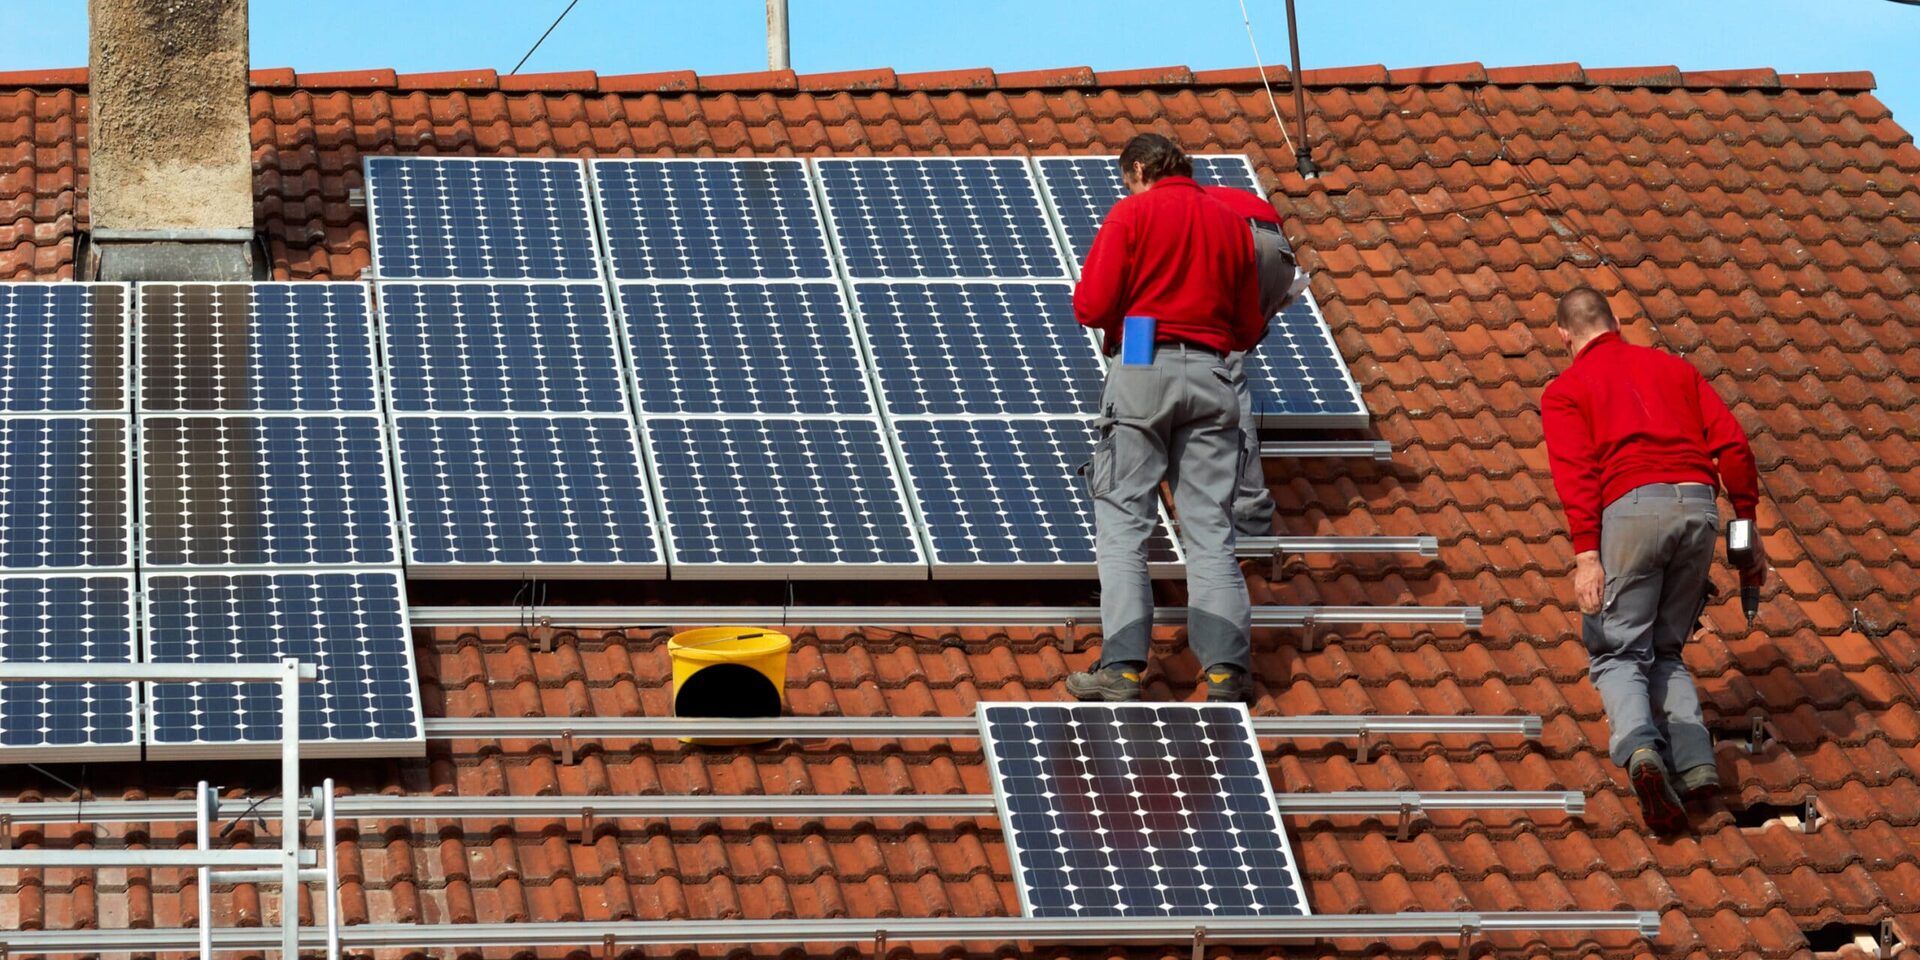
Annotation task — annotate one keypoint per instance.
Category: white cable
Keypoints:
(1271, 102)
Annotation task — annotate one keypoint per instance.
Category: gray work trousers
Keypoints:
(1656, 546)
(1176, 420)
(1252, 501)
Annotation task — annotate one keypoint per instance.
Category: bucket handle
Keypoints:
(737, 636)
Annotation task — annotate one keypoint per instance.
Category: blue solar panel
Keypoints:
(265, 490)
(1297, 376)
(767, 497)
(738, 348)
(1083, 189)
(269, 347)
(919, 217)
(65, 498)
(67, 619)
(1139, 810)
(351, 625)
(710, 219)
(1000, 494)
(460, 218)
(525, 493)
(979, 348)
(500, 348)
(63, 347)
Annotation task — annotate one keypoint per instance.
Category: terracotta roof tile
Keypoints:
(1759, 224)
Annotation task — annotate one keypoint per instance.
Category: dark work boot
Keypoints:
(1659, 805)
(1111, 683)
(1700, 784)
(1227, 683)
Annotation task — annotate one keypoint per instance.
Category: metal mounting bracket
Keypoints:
(6, 833)
(1278, 560)
(1757, 734)
(586, 826)
(1406, 821)
(607, 949)
(1810, 813)
(1466, 941)
(566, 748)
(1309, 633)
(1199, 943)
(1363, 747)
(543, 634)
(1071, 637)
(880, 944)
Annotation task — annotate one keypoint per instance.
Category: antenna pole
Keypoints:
(779, 51)
(1303, 158)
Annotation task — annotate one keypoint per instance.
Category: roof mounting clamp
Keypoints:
(566, 748)
(1810, 813)
(6, 832)
(1309, 631)
(543, 634)
(586, 826)
(1466, 941)
(1199, 943)
(1070, 636)
(880, 944)
(1757, 734)
(607, 949)
(1405, 829)
(1363, 747)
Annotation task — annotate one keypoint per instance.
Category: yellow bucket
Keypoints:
(729, 672)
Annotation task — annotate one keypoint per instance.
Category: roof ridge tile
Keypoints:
(976, 78)
(757, 81)
(1659, 77)
(1053, 79)
(63, 77)
(1237, 76)
(665, 81)
(1367, 75)
(570, 81)
(1176, 76)
(450, 80)
(351, 79)
(1470, 72)
(271, 78)
(1539, 74)
(1763, 78)
(850, 80)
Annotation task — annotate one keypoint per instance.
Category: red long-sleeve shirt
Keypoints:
(1172, 254)
(1244, 204)
(1623, 416)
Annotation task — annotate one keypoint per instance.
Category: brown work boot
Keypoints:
(1113, 683)
(1659, 805)
(1227, 683)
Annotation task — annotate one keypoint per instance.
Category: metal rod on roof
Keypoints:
(1303, 157)
(779, 50)
(615, 617)
(530, 935)
(894, 728)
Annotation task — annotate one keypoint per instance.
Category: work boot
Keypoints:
(1227, 683)
(1659, 805)
(1700, 784)
(1111, 683)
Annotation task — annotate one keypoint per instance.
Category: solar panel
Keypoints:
(500, 348)
(710, 219)
(742, 348)
(63, 347)
(768, 497)
(67, 619)
(65, 493)
(980, 349)
(1083, 189)
(918, 217)
(1003, 496)
(280, 490)
(1297, 376)
(499, 496)
(352, 625)
(461, 218)
(275, 347)
(1138, 810)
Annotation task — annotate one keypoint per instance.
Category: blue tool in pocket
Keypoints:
(1136, 342)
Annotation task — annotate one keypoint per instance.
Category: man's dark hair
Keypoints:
(1158, 157)
(1584, 311)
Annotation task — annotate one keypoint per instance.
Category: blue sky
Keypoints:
(723, 36)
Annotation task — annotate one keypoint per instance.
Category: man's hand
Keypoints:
(1589, 582)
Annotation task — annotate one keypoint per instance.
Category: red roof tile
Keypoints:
(1761, 225)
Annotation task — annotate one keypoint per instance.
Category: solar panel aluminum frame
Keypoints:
(268, 749)
(681, 570)
(814, 200)
(515, 571)
(865, 358)
(87, 753)
(1016, 859)
(129, 320)
(384, 347)
(1087, 335)
(129, 542)
(1025, 571)
(1067, 269)
(374, 273)
(138, 358)
(380, 422)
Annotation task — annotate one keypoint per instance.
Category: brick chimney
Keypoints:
(171, 159)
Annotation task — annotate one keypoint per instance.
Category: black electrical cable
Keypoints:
(543, 37)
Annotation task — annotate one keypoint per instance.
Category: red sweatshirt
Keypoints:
(1174, 255)
(1623, 416)
(1244, 204)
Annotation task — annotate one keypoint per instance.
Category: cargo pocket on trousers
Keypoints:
(1097, 471)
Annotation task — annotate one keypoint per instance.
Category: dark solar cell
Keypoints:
(266, 347)
(461, 218)
(918, 217)
(744, 348)
(710, 219)
(67, 619)
(979, 349)
(500, 348)
(63, 347)
(64, 499)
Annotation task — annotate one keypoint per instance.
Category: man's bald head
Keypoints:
(1584, 312)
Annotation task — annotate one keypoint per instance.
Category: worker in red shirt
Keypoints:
(1637, 439)
(1169, 260)
(1280, 283)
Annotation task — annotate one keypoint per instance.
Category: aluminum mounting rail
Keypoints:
(1296, 449)
(149, 672)
(1252, 548)
(612, 617)
(373, 806)
(616, 933)
(894, 728)
(97, 859)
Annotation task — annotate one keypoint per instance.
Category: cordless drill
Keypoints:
(1743, 551)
